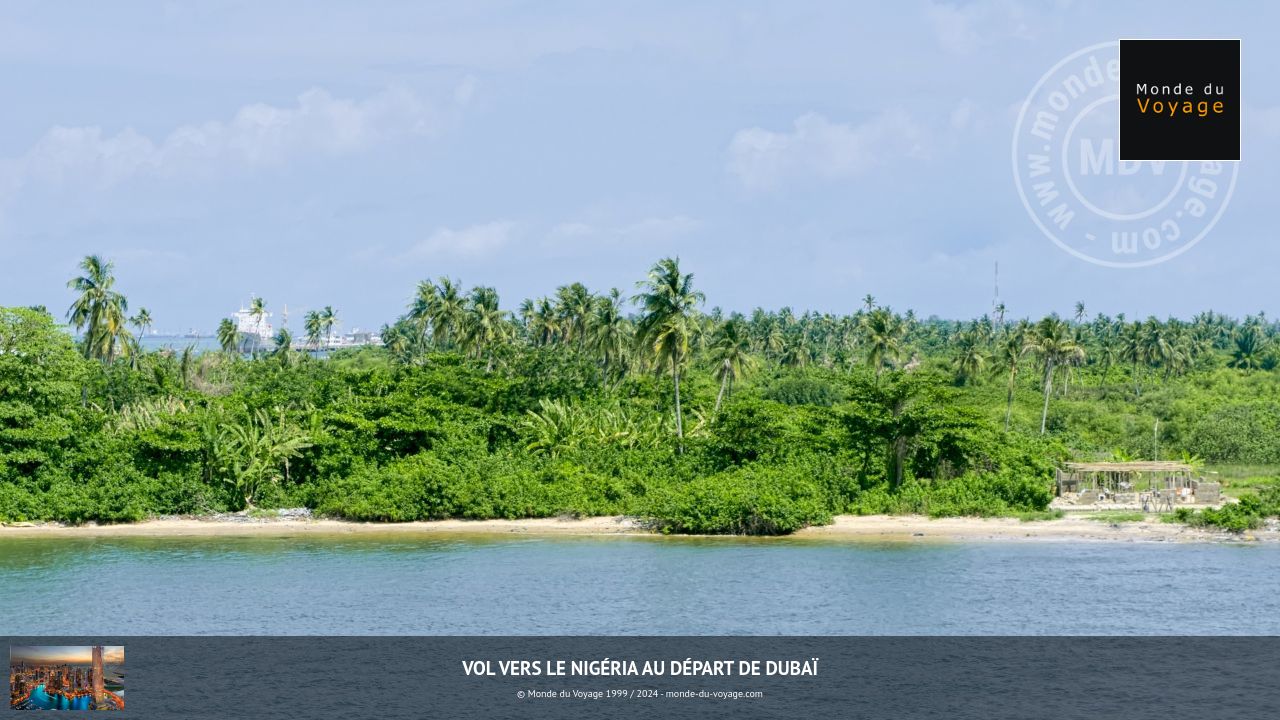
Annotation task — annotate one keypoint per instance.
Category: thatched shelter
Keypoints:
(1174, 481)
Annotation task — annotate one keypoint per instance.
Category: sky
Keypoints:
(64, 654)
(791, 154)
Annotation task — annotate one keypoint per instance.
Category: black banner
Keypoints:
(692, 677)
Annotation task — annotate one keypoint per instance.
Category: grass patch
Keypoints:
(1117, 516)
(1038, 515)
(1240, 480)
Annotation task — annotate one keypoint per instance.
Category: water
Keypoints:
(178, 344)
(41, 700)
(629, 585)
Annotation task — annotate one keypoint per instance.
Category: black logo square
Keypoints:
(1179, 99)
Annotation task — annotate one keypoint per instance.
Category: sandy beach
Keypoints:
(872, 528)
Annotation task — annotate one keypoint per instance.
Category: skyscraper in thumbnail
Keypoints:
(97, 674)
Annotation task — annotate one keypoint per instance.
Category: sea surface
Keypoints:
(631, 585)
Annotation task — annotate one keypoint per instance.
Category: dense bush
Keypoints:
(1248, 514)
(559, 422)
(742, 501)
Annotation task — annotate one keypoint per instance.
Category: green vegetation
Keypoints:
(1117, 516)
(1250, 513)
(588, 403)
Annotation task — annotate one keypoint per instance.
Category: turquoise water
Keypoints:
(628, 585)
(41, 700)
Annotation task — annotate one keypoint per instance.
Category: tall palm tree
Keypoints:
(1134, 349)
(258, 310)
(608, 331)
(1011, 350)
(328, 319)
(422, 309)
(1052, 341)
(970, 358)
(313, 325)
(142, 321)
(448, 313)
(485, 324)
(731, 355)
(228, 336)
(574, 305)
(542, 324)
(883, 334)
(99, 310)
(668, 304)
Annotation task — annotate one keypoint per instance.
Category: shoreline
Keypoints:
(850, 528)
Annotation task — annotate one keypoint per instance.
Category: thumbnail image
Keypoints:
(66, 677)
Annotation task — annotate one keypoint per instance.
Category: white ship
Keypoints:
(257, 332)
(254, 328)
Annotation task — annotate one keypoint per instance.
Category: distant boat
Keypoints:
(256, 328)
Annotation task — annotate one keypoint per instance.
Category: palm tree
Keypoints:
(970, 360)
(228, 336)
(422, 309)
(1251, 348)
(1052, 341)
(1108, 351)
(328, 318)
(668, 304)
(142, 321)
(541, 322)
(485, 324)
(574, 304)
(258, 311)
(730, 353)
(313, 325)
(883, 333)
(608, 330)
(1134, 349)
(1011, 350)
(99, 310)
(283, 350)
(448, 313)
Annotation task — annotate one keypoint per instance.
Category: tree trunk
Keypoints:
(724, 382)
(1048, 390)
(1008, 412)
(675, 374)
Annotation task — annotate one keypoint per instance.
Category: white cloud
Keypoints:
(647, 229)
(257, 135)
(817, 147)
(962, 28)
(954, 27)
(476, 241)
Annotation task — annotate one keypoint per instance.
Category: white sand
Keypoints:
(911, 528)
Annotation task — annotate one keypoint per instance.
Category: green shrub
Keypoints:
(978, 494)
(743, 501)
(1248, 514)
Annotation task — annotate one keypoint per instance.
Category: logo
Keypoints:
(1180, 100)
(1082, 196)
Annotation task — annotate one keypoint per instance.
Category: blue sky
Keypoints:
(800, 154)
